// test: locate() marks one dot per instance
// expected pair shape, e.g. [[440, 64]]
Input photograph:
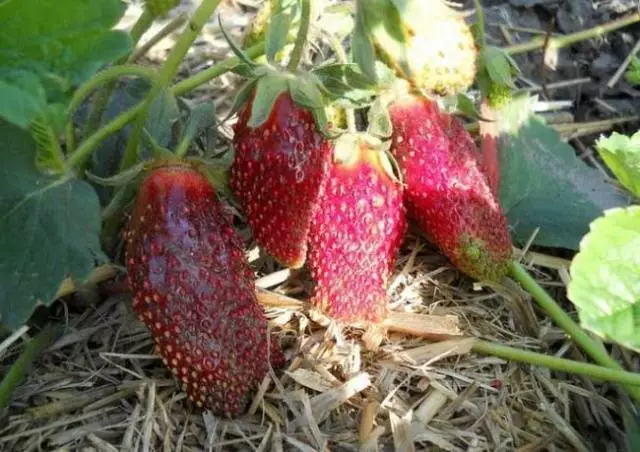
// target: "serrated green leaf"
[[278, 29], [543, 184], [49, 156], [268, 89], [362, 49], [67, 38], [605, 277], [466, 105], [497, 64], [49, 230], [622, 155], [23, 97], [163, 113]]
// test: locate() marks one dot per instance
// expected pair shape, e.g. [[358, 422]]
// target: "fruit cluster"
[[312, 196]]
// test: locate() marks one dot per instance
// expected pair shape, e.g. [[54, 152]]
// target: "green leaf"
[[379, 120], [267, 91], [69, 38], [201, 117], [23, 97], [305, 92], [605, 277], [633, 72], [631, 426], [278, 29], [498, 65], [361, 46], [543, 184], [242, 97], [49, 230], [345, 81], [163, 113], [49, 156], [622, 155]]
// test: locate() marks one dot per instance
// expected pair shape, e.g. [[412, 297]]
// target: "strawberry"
[[425, 42], [277, 174], [356, 234], [194, 289], [447, 193]]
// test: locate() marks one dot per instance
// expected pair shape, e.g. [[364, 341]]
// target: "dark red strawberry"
[[355, 235], [194, 289], [277, 174], [447, 193]]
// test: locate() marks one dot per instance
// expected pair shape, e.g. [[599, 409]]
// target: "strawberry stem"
[[167, 72], [558, 364], [563, 41], [590, 346], [106, 76], [89, 145], [31, 352], [301, 39], [100, 104]]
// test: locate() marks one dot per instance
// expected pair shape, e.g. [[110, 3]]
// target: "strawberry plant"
[[318, 183]]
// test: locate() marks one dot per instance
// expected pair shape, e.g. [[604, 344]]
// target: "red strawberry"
[[194, 289], [447, 192], [277, 174], [355, 236]]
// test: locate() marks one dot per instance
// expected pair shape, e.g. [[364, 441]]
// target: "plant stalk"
[[100, 104], [591, 347], [301, 39], [167, 72], [557, 42], [31, 353], [557, 364]]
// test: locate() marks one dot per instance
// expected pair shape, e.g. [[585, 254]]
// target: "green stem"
[[172, 26], [563, 41], [301, 39], [89, 145], [31, 352], [100, 78], [167, 72], [591, 347], [482, 38], [100, 104], [558, 364]]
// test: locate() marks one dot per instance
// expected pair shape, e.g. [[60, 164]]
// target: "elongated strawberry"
[[447, 193], [277, 175], [355, 235], [194, 289]]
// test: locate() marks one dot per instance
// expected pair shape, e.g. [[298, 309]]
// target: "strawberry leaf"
[[361, 46], [279, 26], [55, 45], [544, 185], [622, 155], [345, 81], [42, 219], [163, 113], [267, 91], [498, 65], [605, 277], [633, 72]]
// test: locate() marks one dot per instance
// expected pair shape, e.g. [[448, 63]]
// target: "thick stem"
[[558, 364], [89, 145], [167, 72], [100, 104], [591, 347], [301, 39], [563, 41], [31, 352]]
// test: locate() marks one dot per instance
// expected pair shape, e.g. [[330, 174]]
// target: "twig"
[[614, 79]]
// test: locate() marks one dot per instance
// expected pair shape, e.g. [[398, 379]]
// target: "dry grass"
[[100, 388]]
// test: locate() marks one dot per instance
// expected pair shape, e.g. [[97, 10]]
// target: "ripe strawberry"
[[277, 174], [194, 289], [355, 236], [425, 42], [447, 193]]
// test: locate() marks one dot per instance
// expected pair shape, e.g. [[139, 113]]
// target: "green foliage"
[[622, 155], [543, 184], [49, 229], [48, 47], [633, 72], [605, 277]]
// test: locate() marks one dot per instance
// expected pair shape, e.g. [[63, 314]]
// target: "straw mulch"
[[101, 388]]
